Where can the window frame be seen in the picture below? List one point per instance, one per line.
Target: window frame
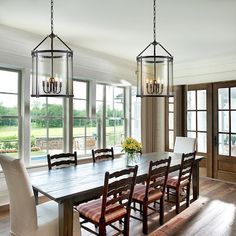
(19, 107)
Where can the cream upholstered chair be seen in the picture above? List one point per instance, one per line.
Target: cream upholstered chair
(184, 145)
(26, 218)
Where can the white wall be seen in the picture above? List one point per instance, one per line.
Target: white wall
(15, 52)
(222, 68)
(16, 46)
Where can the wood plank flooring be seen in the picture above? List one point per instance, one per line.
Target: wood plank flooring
(214, 213)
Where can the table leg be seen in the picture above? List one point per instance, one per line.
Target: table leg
(36, 196)
(196, 180)
(65, 218)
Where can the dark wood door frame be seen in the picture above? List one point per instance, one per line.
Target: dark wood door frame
(224, 166)
(208, 162)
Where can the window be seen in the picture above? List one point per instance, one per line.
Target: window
(135, 115)
(226, 121)
(110, 113)
(47, 121)
(197, 118)
(115, 116)
(54, 124)
(170, 124)
(9, 112)
(84, 128)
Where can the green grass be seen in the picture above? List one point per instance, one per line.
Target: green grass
(12, 131)
(55, 132)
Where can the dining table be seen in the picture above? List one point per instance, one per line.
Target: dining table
(77, 184)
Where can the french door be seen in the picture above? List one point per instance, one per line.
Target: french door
(210, 111)
(224, 97)
(198, 122)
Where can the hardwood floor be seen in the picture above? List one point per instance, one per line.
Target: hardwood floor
(214, 213)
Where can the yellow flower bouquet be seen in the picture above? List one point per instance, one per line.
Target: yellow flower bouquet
(131, 145)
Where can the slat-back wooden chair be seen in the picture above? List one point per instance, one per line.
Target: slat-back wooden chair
(182, 181)
(62, 160)
(104, 153)
(114, 203)
(152, 191)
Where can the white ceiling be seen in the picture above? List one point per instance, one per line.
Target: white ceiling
(189, 29)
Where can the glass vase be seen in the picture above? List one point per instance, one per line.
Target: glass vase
(132, 159)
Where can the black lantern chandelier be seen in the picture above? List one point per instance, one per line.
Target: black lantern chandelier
(52, 67)
(154, 72)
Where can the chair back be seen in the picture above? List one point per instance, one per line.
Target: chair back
(62, 160)
(184, 145)
(157, 176)
(118, 190)
(186, 167)
(23, 216)
(104, 153)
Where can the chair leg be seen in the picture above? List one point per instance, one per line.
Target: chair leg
(168, 194)
(177, 201)
(140, 207)
(145, 218)
(102, 229)
(126, 225)
(187, 195)
(161, 219)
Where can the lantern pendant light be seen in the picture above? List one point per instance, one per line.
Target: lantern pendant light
(154, 71)
(52, 67)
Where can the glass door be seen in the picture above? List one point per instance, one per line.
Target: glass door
(198, 122)
(225, 131)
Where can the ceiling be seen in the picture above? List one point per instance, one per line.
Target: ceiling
(190, 29)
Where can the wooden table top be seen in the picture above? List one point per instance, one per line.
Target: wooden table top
(85, 181)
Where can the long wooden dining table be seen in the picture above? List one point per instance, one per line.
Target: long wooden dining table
(74, 185)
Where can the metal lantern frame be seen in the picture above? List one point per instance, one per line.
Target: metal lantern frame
(154, 72)
(57, 62)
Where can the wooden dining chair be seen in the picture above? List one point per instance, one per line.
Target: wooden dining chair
(62, 160)
(27, 219)
(114, 204)
(181, 181)
(104, 153)
(152, 191)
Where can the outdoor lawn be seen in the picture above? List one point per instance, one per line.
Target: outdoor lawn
(9, 140)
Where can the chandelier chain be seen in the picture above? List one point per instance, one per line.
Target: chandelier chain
(154, 19)
(52, 17)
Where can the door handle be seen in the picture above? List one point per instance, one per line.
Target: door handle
(216, 141)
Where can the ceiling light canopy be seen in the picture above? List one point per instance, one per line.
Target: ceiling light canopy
(52, 67)
(154, 71)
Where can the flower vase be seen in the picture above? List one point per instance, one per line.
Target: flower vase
(132, 159)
